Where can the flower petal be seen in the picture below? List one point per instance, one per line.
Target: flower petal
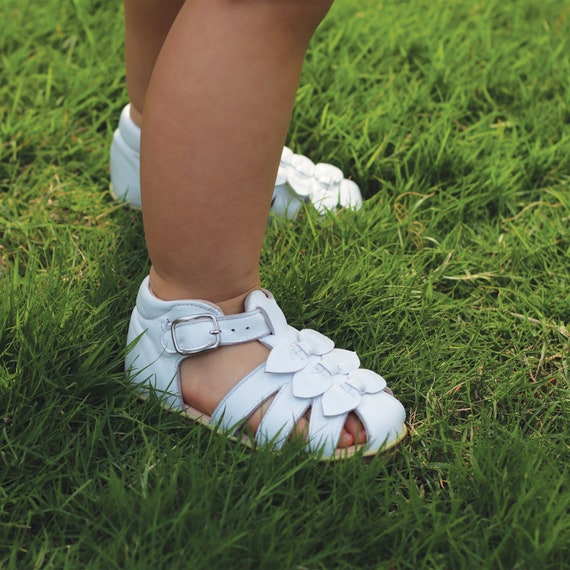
(311, 382)
(340, 399)
(324, 198)
(300, 175)
(366, 381)
(286, 358)
(350, 196)
(328, 175)
(340, 361)
(313, 342)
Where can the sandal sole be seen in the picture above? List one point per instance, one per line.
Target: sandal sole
(341, 454)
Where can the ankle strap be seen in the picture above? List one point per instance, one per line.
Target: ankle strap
(198, 333)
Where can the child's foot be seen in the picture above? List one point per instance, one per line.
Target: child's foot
(264, 373)
(206, 379)
(299, 179)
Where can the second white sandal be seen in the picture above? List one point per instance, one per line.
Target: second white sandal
(299, 180)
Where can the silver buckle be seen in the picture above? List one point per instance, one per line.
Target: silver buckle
(216, 332)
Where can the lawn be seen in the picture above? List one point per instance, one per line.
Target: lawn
(453, 281)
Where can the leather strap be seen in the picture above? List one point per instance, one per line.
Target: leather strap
(206, 331)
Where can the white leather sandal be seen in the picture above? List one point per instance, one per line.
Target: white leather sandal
(303, 372)
(299, 179)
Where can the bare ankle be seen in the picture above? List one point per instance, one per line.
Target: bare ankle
(168, 290)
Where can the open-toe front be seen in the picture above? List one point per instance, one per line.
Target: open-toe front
(304, 375)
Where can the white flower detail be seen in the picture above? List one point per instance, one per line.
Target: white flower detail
(320, 369)
(296, 355)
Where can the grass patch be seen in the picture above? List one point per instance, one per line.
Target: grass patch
(452, 281)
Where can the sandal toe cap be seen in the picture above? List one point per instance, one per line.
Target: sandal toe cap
(383, 417)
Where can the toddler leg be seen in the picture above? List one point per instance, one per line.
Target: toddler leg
(216, 115)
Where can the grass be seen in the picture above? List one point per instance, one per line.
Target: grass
(453, 281)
